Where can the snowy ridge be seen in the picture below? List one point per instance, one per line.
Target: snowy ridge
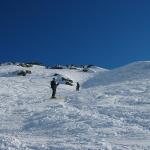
(134, 71)
(110, 114)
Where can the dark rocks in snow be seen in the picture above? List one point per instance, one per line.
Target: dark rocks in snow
(63, 79)
(89, 66)
(67, 81)
(57, 67)
(29, 64)
(72, 67)
(15, 73)
(25, 65)
(56, 74)
(28, 71)
(23, 72)
(35, 63)
(85, 69)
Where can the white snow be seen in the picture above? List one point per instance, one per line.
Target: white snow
(110, 112)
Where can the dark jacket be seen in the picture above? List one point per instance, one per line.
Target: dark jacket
(54, 84)
(78, 86)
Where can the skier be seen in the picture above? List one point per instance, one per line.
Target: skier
(77, 86)
(54, 87)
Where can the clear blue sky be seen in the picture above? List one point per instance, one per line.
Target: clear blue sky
(107, 33)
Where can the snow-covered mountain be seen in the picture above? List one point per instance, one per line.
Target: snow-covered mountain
(110, 112)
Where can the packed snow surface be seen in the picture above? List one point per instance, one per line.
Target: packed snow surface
(110, 112)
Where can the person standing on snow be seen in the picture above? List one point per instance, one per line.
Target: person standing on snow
(77, 86)
(54, 87)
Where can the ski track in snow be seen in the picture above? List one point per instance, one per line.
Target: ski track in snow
(113, 116)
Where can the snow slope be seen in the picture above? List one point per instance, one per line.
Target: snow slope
(111, 111)
(134, 71)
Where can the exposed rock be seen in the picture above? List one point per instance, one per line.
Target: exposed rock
(63, 80)
(28, 71)
(23, 72)
(85, 69)
(57, 67)
(35, 63)
(25, 65)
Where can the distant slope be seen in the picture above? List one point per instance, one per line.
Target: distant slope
(38, 72)
(134, 71)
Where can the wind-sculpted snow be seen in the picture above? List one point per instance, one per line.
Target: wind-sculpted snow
(112, 116)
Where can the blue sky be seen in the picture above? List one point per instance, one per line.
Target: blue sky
(107, 33)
